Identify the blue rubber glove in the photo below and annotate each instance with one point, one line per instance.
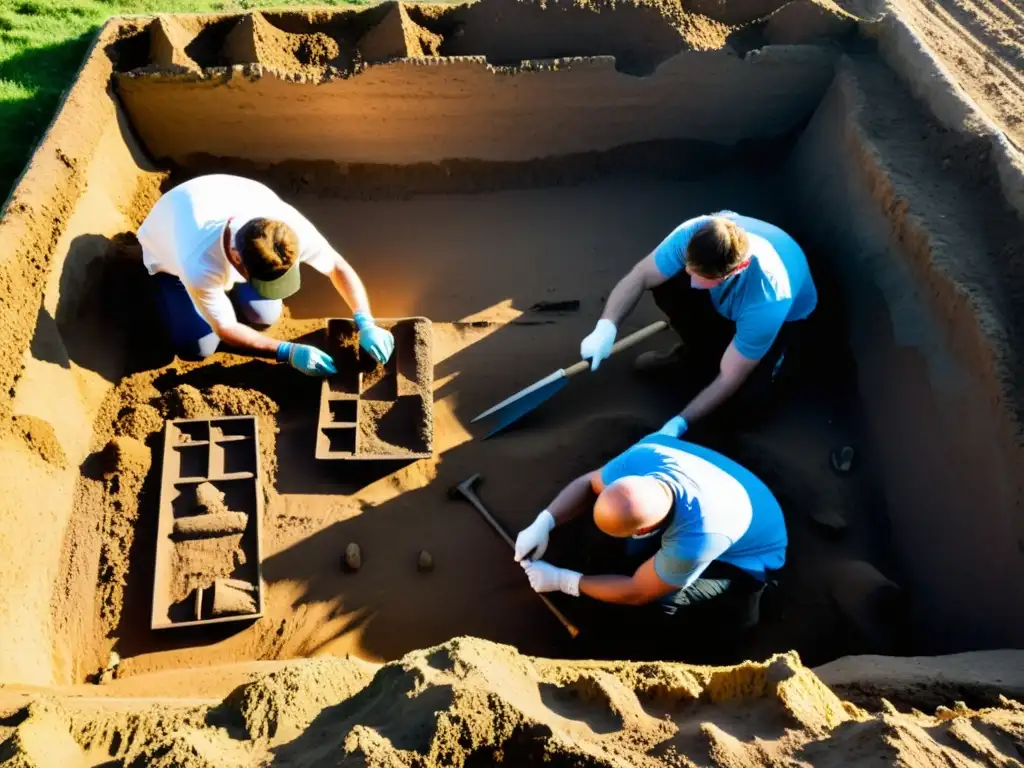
(310, 360)
(674, 427)
(375, 340)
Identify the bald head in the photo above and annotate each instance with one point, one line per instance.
(630, 504)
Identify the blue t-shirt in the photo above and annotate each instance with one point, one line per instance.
(722, 511)
(775, 288)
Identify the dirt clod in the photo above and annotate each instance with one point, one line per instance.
(40, 437)
(139, 422)
(209, 499)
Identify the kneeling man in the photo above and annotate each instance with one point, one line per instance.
(711, 527)
(218, 242)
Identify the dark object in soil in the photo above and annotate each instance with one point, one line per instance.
(425, 563)
(572, 305)
(353, 559)
(210, 494)
(842, 459)
(373, 411)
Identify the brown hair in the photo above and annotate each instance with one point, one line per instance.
(717, 248)
(269, 248)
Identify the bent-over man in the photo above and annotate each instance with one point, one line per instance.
(707, 527)
(735, 289)
(221, 242)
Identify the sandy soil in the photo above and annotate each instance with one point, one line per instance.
(982, 43)
(470, 702)
(484, 347)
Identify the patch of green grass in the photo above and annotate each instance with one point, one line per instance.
(42, 44)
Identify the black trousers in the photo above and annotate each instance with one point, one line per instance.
(706, 334)
(724, 596)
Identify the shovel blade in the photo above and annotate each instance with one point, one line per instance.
(521, 403)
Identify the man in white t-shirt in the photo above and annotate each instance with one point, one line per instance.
(218, 242)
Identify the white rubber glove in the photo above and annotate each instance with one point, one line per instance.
(545, 577)
(535, 536)
(598, 345)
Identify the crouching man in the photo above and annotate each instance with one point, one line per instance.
(220, 242)
(706, 526)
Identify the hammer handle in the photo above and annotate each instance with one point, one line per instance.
(472, 497)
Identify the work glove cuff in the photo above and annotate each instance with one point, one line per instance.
(569, 582)
(284, 350)
(363, 320)
(545, 520)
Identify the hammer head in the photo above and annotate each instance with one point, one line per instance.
(460, 490)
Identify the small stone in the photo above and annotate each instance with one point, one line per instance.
(425, 564)
(353, 557)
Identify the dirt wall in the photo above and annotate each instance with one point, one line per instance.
(924, 245)
(414, 111)
(491, 81)
(81, 188)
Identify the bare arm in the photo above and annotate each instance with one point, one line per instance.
(347, 282)
(245, 338)
(733, 371)
(578, 495)
(216, 308)
(626, 294)
(643, 587)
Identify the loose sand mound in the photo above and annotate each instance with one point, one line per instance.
(256, 40)
(168, 40)
(472, 702)
(398, 36)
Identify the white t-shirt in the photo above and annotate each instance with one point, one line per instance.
(183, 236)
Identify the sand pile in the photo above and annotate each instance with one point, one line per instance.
(398, 36)
(472, 702)
(256, 40)
(808, 21)
(125, 484)
(169, 38)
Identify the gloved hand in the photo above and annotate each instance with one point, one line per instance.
(535, 536)
(598, 345)
(310, 360)
(545, 577)
(674, 427)
(374, 339)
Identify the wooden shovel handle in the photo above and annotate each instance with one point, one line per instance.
(624, 343)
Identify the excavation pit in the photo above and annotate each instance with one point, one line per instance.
(472, 162)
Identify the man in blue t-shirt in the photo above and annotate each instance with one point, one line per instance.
(717, 529)
(735, 289)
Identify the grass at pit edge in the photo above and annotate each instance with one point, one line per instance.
(42, 45)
